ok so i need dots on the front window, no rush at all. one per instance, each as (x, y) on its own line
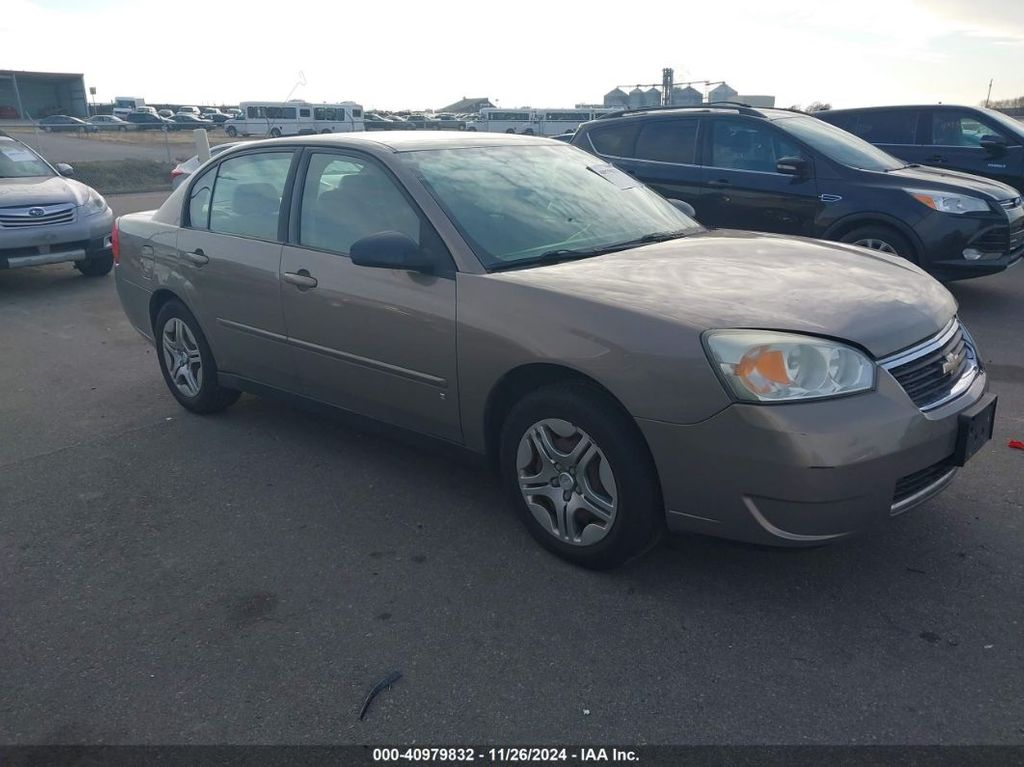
(18, 161)
(747, 145)
(1012, 129)
(954, 128)
(840, 146)
(517, 205)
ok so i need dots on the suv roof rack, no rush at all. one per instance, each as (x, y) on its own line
(739, 107)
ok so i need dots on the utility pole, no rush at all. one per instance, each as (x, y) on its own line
(989, 96)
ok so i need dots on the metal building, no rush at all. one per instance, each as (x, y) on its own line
(616, 98)
(686, 97)
(722, 92)
(31, 95)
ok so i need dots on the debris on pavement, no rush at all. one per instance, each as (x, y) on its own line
(1016, 444)
(383, 684)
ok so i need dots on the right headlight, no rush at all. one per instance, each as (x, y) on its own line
(769, 366)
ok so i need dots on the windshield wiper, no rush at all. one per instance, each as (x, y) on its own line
(560, 255)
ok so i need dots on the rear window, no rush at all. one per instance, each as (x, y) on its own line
(667, 141)
(615, 140)
(888, 127)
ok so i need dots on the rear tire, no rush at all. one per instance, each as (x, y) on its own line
(881, 238)
(275, 133)
(96, 267)
(595, 495)
(193, 379)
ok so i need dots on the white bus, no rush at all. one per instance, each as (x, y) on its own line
(292, 118)
(532, 122)
(125, 105)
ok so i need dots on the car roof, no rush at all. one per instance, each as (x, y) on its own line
(903, 106)
(411, 141)
(722, 107)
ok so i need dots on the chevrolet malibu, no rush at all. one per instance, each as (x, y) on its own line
(625, 369)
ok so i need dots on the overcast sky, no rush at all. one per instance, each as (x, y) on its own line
(424, 54)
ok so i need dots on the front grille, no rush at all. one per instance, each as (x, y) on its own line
(914, 483)
(936, 370)
(1010, 204)
(1000, 240)
(36, 215)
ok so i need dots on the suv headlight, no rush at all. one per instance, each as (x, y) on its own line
(767, 366)
(949, 202)
(94, 203)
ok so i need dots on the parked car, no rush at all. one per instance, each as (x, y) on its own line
(774, 170)
(969, 139)
(373, 121)
(168, 113)
(215, 115)
(194, 111)
(47, 217)
(147, 110)
(187, 167)
(186, 121)
(65, 123)
(109, 123)
(625, 368)
(233, 112)
(148, 121)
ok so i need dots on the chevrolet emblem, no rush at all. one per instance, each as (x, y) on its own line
(951, 362)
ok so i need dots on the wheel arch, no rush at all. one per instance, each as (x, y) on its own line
(848, 223)
(520, 381)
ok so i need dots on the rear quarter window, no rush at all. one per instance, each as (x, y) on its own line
(615, 140)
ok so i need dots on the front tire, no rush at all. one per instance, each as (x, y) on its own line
(275, 133)
(231, 131)
(580, 475)
(881, 238)
(187, 362)
(95, 267)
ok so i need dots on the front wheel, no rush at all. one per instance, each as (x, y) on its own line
(95, 267)
(275, 133)
(231, 131)
(882, 239)
(187, 363)
(581, 476)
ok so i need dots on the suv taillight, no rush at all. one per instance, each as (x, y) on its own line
(115, 244)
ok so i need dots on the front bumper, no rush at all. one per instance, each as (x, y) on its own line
(1000, 238)
(807, 473)
(84, 238)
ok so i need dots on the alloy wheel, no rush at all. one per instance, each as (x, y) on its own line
(182, 357)
(872, 243)
(566, 481)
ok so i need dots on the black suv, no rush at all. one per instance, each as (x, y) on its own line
(980, 141)
(775, 170)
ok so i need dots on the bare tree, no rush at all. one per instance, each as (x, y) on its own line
(819, 106)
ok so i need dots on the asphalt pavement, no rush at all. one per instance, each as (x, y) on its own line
(247, 577)
(72, 148)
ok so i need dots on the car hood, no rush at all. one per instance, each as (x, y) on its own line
(40, 190)
(729, 279)
(953, 181)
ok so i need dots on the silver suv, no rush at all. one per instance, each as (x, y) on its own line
(47, 218)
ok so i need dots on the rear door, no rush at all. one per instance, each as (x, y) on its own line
(380, 342)
(954, 137)
(743, 190)
(229, 250)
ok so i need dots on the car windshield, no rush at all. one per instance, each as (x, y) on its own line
(519, 205)
(840, 146)
(1015, 127)
(18, 161)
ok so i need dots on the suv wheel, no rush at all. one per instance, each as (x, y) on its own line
(881, 238)
(231, 131)
(580, 476)
(187, 363)
(95, 267)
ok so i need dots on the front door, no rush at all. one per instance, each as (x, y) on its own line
(955, 143)
(743, 189)
(380, 342)
(664, 156)
(230, 252)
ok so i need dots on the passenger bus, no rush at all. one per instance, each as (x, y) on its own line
(532, 122)
(293, 118)
(125, 105)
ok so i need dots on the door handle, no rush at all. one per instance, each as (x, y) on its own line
(301, 279)
(196, 257)
(718, 182)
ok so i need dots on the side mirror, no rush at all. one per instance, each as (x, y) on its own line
(793, 166)
(995, 145)
(64, 169)
(684, 207)
(390, 250)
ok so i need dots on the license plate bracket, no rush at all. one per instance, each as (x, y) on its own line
(975, 426)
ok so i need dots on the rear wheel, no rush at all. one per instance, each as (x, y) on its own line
(326, 130)
(275, 133)
(95, 267)
(187, 363)
(881, 238)
(510, 130)
(580, 475)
